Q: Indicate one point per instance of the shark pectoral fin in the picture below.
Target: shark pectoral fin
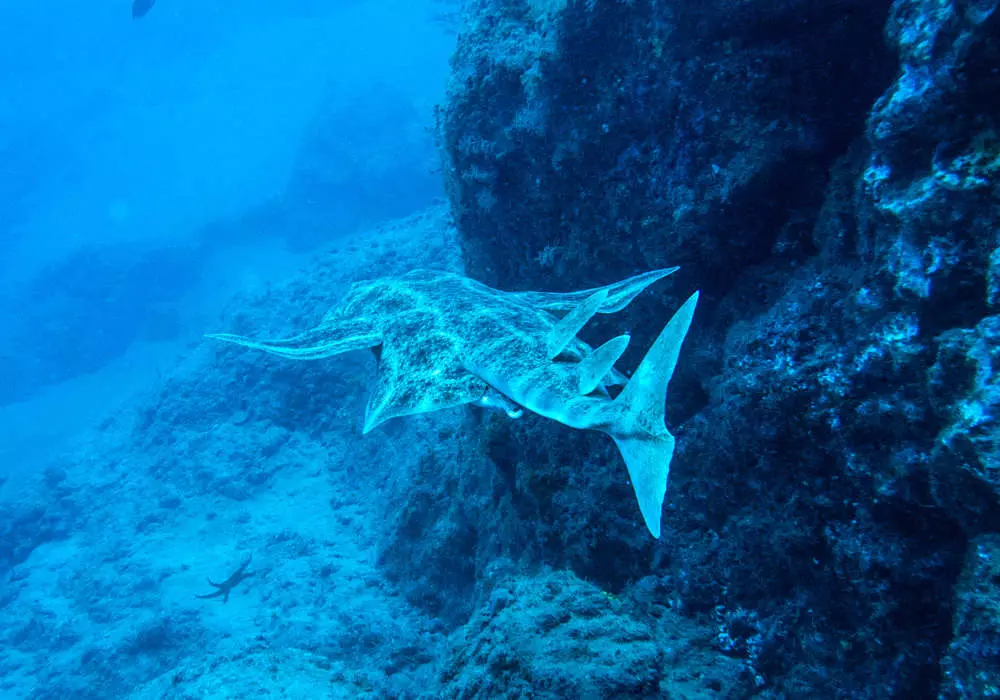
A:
(571, 324)
(648, 462)
(376, 414)
(596, 367)
(382, 407)
(407, 384)
(638, 428)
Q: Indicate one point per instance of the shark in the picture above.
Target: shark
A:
(444, 340)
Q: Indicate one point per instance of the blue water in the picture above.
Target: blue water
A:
(148, 169)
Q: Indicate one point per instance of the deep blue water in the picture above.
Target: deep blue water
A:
(137, 155)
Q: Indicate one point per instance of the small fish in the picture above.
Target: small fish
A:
(141, 7)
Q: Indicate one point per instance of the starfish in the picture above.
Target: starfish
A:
(226, 587)
(444, 340)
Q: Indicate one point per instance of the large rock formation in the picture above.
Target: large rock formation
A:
(827, 175)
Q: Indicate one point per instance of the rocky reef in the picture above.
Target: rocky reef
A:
(826, 173)
(361, 566)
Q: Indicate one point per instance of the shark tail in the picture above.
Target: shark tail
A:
(326, 340)
(639, 430)
(648, 463)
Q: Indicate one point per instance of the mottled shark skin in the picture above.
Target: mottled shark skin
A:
(445, 340)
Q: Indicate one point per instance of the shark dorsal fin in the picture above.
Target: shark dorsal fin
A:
(573, 322)
(594, 368)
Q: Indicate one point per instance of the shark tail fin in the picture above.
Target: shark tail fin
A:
(639, 431)
(326, 340)
(648, 463)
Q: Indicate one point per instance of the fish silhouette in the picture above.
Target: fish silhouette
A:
(141, 7)
(443, 340)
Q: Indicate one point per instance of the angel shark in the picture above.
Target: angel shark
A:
(445, 340)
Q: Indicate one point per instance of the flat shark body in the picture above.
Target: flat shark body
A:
(444, 340)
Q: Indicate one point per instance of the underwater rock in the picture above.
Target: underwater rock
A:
(835, 196)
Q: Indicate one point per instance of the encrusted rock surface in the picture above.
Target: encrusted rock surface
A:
(826, 173)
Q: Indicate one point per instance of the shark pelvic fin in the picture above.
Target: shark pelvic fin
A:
(595, 368)
(573, 322)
